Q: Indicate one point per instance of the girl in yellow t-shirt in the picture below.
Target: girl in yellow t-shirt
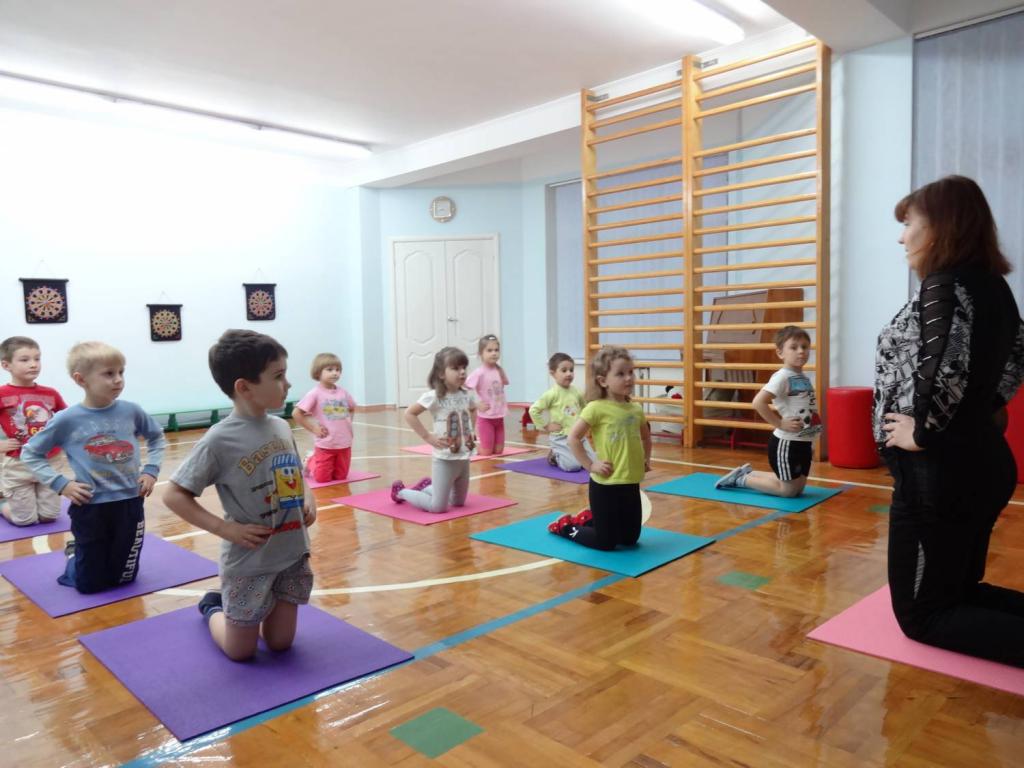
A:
(622, 441)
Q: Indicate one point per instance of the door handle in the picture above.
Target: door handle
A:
(453, 319)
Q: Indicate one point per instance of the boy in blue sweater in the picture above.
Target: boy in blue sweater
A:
(99, 438)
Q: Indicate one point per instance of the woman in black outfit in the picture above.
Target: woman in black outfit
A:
(945, 368)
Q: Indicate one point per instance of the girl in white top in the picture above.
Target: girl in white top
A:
(453, 409)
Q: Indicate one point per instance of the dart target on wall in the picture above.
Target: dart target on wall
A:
(164, 322)
(46, 301)
(260, 303)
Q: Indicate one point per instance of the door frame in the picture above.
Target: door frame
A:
(392, 241)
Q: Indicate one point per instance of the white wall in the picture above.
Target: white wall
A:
(132, 216)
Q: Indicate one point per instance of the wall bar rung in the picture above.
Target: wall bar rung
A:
(637, 276)
(756, 183)
(637, 222)
(677, 345)
(738, 345)
(635, 294)
(638, 203)
(634, 240)
(749, 385)
(660, 382)
(755, 60)
(725, 148)
(677, 160)
(675, 403)
(757, 245)
(637, 185)
(658, 417)
(643, 311)
(755, 81)
(756, 204)
(749, 326)
(638, 257)
(743, 366)
(732, 405)
(783, 158)
(753, 102)
(757, 265)
(757, 305)
(809, 283)
(593, 107)
(637, 329)
(658, 364)
(763, 224)
(635, 131)
(734, 424)
(660, 107)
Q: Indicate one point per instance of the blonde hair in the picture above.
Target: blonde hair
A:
(86, 355)
(449, 357)
(321, 361)
(599, 366)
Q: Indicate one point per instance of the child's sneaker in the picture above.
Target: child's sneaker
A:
(69, 549)
(209, 604)
(583, 517)
(397, 486)
(424, 483)
(734, 478)
(558, 527)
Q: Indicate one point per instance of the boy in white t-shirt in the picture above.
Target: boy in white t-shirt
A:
(795, 418)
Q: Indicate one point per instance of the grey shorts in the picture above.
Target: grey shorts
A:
(248, 600)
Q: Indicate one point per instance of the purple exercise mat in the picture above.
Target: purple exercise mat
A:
(9, 532)
(541, 468)
(163, 565)
(170, 663)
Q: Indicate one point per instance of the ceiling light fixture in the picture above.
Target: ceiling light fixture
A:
(688, 17)
(297, 138)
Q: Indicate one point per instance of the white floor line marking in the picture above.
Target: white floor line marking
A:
(330, 506)
(189, 535)
(395, 587)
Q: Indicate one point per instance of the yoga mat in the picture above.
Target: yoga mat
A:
(701, 485)
(353, 477)
(427, 450)
(870, 627)
(10, 532)
(655, 548)
(541, 468)
(170, 664)
(381, 503)
(163, 565)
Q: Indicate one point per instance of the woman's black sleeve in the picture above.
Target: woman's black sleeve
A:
(1013, 371)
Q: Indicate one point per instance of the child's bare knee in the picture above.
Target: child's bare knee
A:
(278, 644)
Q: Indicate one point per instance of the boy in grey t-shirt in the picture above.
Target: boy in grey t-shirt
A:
(252, 460)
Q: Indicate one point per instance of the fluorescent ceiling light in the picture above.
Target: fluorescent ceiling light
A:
(178, 117)
(687, 17)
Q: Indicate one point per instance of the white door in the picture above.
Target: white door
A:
(446, 294)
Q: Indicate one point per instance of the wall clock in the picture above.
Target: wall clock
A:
(46, 301)
(442, 209)
(260, 303)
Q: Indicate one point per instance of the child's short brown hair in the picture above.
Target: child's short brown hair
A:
(12, 344)
(557, 359)
(790, 332)
(86, 355)
(321, 361)
(241, 354)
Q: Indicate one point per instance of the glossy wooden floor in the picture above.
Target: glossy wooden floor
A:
(671, 669)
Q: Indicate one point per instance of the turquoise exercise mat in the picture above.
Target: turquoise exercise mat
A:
(701, 485)
(656, 547)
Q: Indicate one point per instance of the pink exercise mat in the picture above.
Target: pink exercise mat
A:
(353, 477)
(870, 627)
(426, 450)
(381, 503)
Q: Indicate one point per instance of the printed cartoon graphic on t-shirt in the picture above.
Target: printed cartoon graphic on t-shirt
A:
(460, 431)
(803, 405)
(23, 415)
(623, 429)
(497, 396)
(107, 449)
(570, 412)
(335, 409)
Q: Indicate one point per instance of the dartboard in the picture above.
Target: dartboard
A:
(261, 304)
(165, 324)
(45, 301)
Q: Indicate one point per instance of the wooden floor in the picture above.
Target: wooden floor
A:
(670, 669)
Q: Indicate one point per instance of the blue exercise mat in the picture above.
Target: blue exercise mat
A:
(701, 485)
(656, 547)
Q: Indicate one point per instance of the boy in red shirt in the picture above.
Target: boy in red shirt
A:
(25, 408)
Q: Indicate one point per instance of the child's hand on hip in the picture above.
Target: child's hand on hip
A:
(321, 431)
(308, 514)
(146, 483)
(553, 426)
(601, 467)
(791, 425)
(79, 493)
(247, 535)
(9, 444)
(441, 443)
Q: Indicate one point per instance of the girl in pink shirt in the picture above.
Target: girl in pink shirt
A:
(489, 382)
(326, 411)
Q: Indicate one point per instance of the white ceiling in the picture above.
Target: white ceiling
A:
(388, 73)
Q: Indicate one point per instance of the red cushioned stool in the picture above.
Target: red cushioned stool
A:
(1015, 431)
(851, 443)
